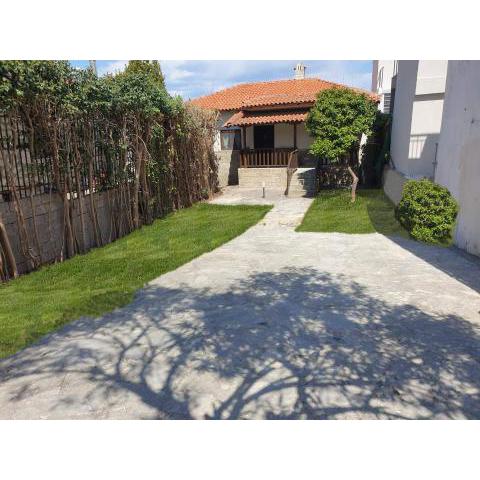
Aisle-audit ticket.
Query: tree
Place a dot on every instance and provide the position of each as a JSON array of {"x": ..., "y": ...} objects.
[
  {"x": 337, "y": 121},
  {"x": 149, "y": 67}
]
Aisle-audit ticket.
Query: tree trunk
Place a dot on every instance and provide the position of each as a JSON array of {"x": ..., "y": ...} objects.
[
  {"x": 136, "y": 183},
  {"x": 7, "y": 249},
  {"x": 354, "y": 183}
]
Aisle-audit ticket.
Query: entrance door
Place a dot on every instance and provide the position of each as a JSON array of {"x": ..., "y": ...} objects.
[{"x": 263, "y": 136}]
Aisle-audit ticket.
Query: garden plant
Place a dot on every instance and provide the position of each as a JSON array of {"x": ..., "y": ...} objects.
[{"x": 427, "y": 211}]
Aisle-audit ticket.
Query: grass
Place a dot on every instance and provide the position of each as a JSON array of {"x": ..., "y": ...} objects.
[
  {"x": 332, "y": 211},
  {"x": 107, "y": 277}
]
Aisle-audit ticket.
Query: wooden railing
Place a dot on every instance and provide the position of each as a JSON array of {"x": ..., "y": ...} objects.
[{"x": 274, "y": 157}]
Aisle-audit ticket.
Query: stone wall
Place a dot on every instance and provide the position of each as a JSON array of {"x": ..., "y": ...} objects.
[
  {"x": 303, "y": 181},
  {"x": 273, "y": 177},
  {"x": 228, "y": 164},
  {"x": 49, "y": 223}
]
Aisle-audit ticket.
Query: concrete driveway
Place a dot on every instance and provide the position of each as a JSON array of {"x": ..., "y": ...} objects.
[{"x": 274, "y": 324}]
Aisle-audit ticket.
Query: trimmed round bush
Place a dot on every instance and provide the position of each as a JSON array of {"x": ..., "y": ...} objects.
[{"x": 428, "y": 211}]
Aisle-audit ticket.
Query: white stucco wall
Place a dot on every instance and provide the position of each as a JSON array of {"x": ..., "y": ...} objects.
[
  {"x": 283, "y": 135},
  {"x": 431, "y": 77},
  {"x": 459, "y": 149},
  {"x": 417, "y": 116},
  {"x": 402, "y": 114},
  {"x": 393, "y": 182}
]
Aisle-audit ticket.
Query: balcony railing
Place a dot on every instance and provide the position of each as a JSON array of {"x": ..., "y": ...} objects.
[{"x": 271, "y": 157}]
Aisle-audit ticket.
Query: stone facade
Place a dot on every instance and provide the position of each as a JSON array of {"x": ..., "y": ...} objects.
[
  {"x": 303, "y": 181},
  {"x": 228, "y": 164}
]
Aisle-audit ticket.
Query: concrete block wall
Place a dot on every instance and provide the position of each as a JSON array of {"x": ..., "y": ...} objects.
[
  {"x": 393, "y": 182},
  {"x": 49, "y": 222}
]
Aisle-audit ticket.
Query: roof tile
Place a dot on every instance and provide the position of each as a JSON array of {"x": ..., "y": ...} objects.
[
  {"x": 262, "y": 118},
  {"x": 277, "y": 92}
]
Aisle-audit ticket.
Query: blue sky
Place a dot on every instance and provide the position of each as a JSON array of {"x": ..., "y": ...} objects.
[{"x": 192, "y": 78}]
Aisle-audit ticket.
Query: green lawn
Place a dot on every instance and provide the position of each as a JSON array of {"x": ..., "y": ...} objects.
[
  {"x": 107, "y": 277},
  {"x": 332, "y": 211}
]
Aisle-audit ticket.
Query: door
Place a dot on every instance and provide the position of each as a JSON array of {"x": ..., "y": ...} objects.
[{"x": 263, "y": 136}]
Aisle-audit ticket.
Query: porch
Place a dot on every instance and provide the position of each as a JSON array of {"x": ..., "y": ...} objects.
[{"x": 267, "y": 146}]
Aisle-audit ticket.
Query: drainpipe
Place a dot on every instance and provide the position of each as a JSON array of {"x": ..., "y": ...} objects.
[{"x": 435, "y": 161}]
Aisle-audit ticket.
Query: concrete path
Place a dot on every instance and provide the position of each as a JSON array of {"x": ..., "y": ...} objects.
[{"x": 274, "y": 324}]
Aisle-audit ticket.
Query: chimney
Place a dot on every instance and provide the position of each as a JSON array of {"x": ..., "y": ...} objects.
[{"x": 299, "y": 71}]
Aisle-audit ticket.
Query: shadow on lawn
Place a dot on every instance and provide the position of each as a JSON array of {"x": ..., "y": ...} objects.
[{"x": 293, "y": 344}]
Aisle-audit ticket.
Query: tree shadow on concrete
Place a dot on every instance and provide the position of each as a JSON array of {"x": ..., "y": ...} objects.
[{"x": 291, "y": 344}]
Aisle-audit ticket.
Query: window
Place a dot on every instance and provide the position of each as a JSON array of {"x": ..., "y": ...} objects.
[{"x": 231, "y": 139}]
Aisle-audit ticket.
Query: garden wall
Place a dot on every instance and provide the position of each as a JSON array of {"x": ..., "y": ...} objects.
[
  {"x": 393, "y": 182},
  {"x": 50, "y": 225}
]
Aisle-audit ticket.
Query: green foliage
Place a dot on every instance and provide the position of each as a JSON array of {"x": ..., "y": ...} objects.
[
  {"x": 428, "y": 211},
  {"x": 107, "y": 277},
  {"x": 375, "y": 151},
  {"x": 140, "y": 92},
  {"x": 119, "y": 132},
  {"x": 21, "y": 81},
  {"x": 146, "y": 67},
  {"x": 139, "y": 89},
  {"x": 337, "y": 121}
]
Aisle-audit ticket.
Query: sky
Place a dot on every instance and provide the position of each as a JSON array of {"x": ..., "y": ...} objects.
[{"x": 193, "y": 78}]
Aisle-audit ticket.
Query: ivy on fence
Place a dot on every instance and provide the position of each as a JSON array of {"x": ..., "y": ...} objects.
[{"x": 67, "y": 133}]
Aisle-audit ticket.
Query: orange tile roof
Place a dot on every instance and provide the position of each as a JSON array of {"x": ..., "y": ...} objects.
[
  {"x": 277, "y": 92},
  {"x": 259, "y": 118}
]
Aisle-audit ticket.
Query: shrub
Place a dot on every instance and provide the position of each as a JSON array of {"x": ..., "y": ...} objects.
[{"x": 428, "y": 211}]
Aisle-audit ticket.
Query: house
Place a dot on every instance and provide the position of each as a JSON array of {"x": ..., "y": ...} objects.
[
  {"x": 436, "y": 134},
  {"x": 259, "y": 126}
]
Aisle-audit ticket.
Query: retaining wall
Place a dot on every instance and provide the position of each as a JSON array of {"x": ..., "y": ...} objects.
[{"x": 49, "y": 212}]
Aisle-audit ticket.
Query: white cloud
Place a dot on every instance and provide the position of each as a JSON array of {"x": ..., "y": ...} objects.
[
  {"x": 116, "y": 66},
  {"x": 192, "y": 78}
]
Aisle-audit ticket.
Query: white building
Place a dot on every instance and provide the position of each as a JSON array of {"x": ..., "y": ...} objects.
[
  {"x": 383, "y": 72},
  {"x": 417, "y": 116},
  {"x": 458, "y": 154},
  {"x": 436, "y": 134}
]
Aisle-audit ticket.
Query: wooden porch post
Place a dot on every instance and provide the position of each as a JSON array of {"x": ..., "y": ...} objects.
[
  {"x": 294, "y": 136},
  {"x": 244, "y": 137}
]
